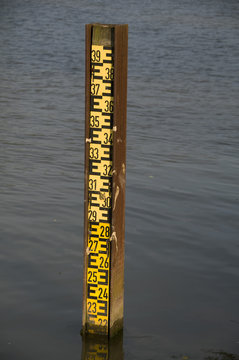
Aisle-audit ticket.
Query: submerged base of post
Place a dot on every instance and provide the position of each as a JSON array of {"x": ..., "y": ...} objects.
[
  {"x": 105, "y": 157},
  {"x": 113, "y": 331}
]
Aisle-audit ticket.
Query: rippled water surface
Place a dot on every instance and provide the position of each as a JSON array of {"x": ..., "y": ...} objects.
[{"x": 182, "y": 201}]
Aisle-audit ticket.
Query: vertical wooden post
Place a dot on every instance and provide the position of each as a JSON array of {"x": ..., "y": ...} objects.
[{"x": 105, "y": 165}]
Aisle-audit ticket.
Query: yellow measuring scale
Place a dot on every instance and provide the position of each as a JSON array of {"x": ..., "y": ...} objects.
[{"x": 100, "y": 186}]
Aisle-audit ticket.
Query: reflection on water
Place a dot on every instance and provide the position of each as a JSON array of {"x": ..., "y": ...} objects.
[
  {"x": 102, "y": 348},
  {"x": 221, "y": 355}
]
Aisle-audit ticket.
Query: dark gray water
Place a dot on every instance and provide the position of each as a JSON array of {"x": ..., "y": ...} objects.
[{"x": 182, "y": 208}]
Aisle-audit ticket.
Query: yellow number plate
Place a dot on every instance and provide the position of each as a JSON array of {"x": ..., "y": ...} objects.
[{"x": 100, "y": 187}]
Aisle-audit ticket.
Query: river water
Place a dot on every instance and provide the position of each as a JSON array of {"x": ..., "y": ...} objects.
[{"x": 182, "y": 200}]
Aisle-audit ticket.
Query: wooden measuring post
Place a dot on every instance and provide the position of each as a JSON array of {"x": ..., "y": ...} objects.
[{"x": 105, "y": 157}]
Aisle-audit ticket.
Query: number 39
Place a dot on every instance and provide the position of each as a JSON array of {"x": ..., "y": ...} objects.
[{"x": 95, "y": 55}]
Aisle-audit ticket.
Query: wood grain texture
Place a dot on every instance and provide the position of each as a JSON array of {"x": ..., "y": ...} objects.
[{"x": 119, "y": 173}]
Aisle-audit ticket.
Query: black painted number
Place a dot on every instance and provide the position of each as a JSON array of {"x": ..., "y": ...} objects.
[
  {"x": 105, "y": 231},
  {"x": 107, "y": 170},
  {"x": 109, "y": 106},
  {"x": 95, "y": 55},
  {"x": 94, "y": 153},
  {"x": 103, "y": 293},
  {"x": 92, "y": 184},
  {"x": 94, "y": 121},
  {"x": 92, "y": 276},
  {"x": 107, "y": 202},
  {"x": 92, "y": 215},
  {"x": 93, "y": 245},
  {"x": 109, "y": 74},
  {"x": 108, "y": 138},
  {"x": 102, "y": 322},
  {"x": 91, "y": 307},
  {"x": 104, "y": 263},
  {"x": 94, "y": 89}
]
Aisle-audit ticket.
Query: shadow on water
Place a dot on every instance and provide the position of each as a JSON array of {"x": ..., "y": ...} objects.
[{"x": 101, "y": 348}]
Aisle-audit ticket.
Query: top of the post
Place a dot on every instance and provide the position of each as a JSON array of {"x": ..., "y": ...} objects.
[{"x": 103, "y": 34}]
